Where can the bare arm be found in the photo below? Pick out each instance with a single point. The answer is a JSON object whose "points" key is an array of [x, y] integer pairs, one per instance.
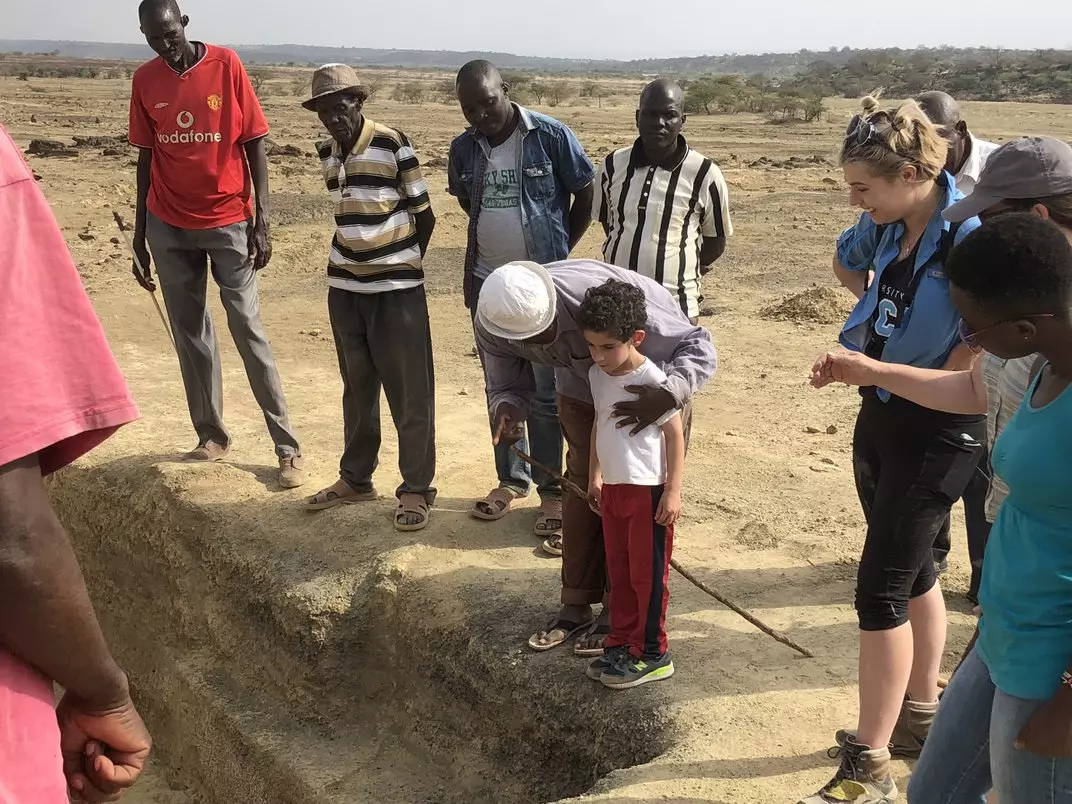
{"points": [[145, 173], [855, 281], [48, 619], [670, 504], [580, 215], [950, 391], [463, 202], [425, 222], [710, 251], [260, 242]]}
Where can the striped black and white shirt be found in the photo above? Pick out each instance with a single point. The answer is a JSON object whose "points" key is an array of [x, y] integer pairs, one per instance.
{"points": [[657, 216], [377, 190]]}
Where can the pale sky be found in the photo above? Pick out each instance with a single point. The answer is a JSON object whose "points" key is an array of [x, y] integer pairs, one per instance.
{"points": [[604, 29]]}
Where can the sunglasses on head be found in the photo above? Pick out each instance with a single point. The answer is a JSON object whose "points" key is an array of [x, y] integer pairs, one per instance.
{"points": [[861, 131], [970, 336]]}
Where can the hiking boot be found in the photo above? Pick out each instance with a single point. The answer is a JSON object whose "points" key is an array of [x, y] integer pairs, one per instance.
{"points": [[610, 657], [208, 452], [632, 672], [291, 473], [913, 726], [863, 778]]}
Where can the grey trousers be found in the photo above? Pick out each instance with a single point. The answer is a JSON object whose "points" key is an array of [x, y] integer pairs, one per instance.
{"points": [[384, 340], [183, 257]]}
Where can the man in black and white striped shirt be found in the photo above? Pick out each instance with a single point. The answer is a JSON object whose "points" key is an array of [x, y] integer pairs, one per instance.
{"points": [[664, 206]]}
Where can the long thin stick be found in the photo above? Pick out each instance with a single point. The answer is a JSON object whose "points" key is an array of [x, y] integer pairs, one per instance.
{"points": [[156, 302], [725, 601]]}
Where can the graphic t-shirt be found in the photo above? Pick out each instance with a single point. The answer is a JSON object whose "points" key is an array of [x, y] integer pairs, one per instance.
{"points": [[625, 459], [499, 236], [63, 395], [197, 125], [894, 298]]}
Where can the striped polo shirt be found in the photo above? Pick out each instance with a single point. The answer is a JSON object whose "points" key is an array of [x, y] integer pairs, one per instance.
{"points": [[657, 217], [377, 190]]}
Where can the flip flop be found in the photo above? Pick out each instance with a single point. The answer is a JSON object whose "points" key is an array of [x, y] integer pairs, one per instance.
{"points": [[567, 628], [594, 630], [326, 498], [553, 545]]}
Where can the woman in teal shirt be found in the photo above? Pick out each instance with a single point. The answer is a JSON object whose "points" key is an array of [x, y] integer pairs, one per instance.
{"points": [[1006, 720]]}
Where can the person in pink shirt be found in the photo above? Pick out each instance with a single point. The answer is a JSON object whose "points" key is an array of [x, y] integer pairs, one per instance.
{"points": [[62, 396]]}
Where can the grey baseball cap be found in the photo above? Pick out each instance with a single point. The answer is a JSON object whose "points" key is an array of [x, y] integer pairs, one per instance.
{"points": [[1029, 167]]}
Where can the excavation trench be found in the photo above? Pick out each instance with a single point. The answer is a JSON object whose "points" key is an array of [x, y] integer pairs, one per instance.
{"points": [[285, 658]]}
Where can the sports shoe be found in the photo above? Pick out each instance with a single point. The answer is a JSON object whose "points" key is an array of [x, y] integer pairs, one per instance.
{"points": [[208, 452], [610, 657], [632, 672], [291, 473], [863, 778], [913, 725]]}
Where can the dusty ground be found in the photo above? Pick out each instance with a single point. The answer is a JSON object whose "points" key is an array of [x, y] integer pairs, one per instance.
{"points": [[771, 516]]}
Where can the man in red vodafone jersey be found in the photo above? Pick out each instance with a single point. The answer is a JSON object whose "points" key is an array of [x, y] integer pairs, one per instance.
{"points": [[200, 128]]}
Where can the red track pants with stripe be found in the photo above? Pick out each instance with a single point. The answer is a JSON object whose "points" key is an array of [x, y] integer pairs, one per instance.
{"points": [[638, 562]]}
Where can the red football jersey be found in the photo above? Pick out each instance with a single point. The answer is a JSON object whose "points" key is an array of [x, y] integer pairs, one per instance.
{"points": [[196, 124]]}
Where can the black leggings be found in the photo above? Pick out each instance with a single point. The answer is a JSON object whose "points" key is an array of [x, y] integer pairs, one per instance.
{"points": [[911, 464]]}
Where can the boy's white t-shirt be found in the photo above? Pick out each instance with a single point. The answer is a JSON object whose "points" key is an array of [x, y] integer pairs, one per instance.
{"points": [[638, 460]]}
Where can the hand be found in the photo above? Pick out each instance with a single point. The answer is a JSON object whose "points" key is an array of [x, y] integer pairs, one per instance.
{"points": [[144, 279], [851, 368], [651, 404], [669, 507], [511, 426], [1049, 731], [260, 244], [595, 493], [104, 751]]}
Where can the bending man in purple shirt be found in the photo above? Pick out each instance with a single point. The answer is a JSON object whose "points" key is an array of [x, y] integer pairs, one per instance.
{"points": [[528, 314]]}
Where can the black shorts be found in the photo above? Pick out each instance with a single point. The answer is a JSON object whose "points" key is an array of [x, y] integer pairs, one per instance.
{"points": [[911, 464]]}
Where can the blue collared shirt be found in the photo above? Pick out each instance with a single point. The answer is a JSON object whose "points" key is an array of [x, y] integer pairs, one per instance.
{"points": [[928, 332], [554, 167]]}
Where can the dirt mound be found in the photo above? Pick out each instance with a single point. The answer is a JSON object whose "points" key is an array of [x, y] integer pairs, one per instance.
{"points": [[100, 142], [815, 306], [273, 148], [50, 148]]}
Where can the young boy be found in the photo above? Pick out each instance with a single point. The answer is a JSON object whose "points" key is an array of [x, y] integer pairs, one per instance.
{"points": [[635, 482]]}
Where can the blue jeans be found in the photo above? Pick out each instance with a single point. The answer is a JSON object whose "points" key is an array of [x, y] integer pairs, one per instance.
{"points": [[970, 749], [544, 436]]}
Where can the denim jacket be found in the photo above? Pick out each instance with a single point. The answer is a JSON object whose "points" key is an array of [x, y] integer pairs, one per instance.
{"points": [[553, 168], [928, 333]]}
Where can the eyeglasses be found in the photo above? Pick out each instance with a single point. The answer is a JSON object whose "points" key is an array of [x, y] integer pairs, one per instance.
{"points": [[861, 131], [971, 336]]}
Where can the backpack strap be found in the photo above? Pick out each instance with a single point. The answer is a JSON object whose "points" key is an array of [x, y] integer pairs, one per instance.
{"points": [[945, 245]]}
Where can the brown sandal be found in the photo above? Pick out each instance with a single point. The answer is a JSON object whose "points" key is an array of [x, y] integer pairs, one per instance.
{"points": [[411, 503], [329, 498], [550, 510], [499, 502]]}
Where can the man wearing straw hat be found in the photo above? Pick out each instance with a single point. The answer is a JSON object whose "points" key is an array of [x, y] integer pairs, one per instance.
{"points": [[376, 298]]}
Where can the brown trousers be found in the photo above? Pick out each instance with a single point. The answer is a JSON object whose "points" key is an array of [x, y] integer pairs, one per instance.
{"points": [[584, 560]]}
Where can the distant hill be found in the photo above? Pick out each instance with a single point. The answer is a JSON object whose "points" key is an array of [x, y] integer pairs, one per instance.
{"points": [[773, 64]]}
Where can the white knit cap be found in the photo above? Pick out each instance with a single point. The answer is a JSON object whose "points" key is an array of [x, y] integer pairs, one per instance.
{"points": [[517, 302]]}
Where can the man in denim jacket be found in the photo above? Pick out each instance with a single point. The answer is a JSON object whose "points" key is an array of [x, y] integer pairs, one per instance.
{"points": [[527, 186]]}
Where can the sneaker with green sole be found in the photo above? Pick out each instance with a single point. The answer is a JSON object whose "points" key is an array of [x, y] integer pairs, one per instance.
{"points": [[633, 672], [610, 657]]}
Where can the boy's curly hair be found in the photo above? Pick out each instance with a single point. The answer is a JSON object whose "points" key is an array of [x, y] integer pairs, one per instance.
{"points": [[616, 308]]}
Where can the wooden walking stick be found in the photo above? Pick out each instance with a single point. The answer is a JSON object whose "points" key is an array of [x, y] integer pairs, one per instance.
{"points": [[688, 576], [156, 302]]}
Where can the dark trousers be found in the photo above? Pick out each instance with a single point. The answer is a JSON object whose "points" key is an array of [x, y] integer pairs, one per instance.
{"points": [[384, 341], [976, 524], [638, 561], [910, 464]]}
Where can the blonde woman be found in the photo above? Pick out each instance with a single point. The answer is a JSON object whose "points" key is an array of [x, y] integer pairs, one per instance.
{"points": [[910, 463]]}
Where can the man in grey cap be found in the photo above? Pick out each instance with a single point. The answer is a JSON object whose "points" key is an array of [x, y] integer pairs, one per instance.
{"points": [[1027, 174], [376, 297], [967, 153], [528, 313]]}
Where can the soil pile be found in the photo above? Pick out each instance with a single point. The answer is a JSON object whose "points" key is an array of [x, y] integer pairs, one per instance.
{"points": [[814, 306]]}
